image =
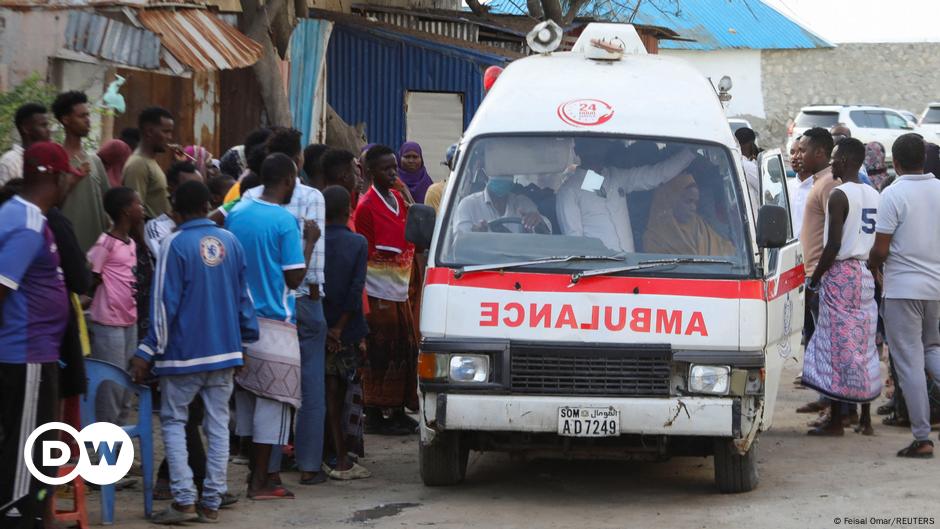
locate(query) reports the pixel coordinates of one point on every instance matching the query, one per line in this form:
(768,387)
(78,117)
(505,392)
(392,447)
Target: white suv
(868,123)
(930,123)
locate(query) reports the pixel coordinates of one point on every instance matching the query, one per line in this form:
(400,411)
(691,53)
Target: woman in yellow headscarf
(675,226)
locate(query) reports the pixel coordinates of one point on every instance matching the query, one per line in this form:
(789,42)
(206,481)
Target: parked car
(868,123)
(930,122)
(908,115)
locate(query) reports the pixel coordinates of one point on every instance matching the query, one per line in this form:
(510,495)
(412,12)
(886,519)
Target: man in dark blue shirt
(345,271)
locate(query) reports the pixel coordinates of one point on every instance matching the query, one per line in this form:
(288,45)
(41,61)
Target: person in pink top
(114,306)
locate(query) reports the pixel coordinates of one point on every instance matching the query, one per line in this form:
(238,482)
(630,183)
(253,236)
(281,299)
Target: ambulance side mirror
(419,229)
(772,226)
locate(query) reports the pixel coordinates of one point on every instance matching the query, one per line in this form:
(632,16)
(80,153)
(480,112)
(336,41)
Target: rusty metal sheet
(112,40)
(200,40)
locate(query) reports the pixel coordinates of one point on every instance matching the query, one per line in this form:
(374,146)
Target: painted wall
(21,53)
(744,68)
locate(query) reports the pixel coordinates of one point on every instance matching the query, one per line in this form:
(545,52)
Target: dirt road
(805,482)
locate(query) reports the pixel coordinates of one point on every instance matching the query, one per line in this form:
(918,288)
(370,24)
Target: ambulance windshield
(521,198)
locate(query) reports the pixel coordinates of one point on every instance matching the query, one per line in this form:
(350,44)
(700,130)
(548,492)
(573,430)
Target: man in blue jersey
(33,313)
(277,264)
(201,314)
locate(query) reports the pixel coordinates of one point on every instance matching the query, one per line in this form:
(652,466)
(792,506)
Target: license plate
(581,421)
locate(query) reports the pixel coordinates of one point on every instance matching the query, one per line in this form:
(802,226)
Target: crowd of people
(269,297)
(873,279)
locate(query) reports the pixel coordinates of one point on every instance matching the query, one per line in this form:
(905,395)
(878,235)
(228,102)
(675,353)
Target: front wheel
(735,472)
(443,461)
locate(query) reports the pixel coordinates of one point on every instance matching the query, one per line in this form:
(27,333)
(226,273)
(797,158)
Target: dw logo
(106,453)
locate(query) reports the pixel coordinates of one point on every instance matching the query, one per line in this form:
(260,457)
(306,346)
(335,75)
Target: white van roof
(646,95)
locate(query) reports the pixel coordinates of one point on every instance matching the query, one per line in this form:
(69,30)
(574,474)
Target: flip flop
(275,493)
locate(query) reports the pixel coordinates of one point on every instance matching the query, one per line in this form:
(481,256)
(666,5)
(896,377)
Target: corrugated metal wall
(370,71)
(307,45)
(455,30)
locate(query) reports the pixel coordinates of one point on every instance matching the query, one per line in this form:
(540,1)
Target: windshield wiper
(643,265)
(545,260)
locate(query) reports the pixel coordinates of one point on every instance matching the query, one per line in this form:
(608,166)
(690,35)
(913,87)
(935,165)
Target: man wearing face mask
(497,201)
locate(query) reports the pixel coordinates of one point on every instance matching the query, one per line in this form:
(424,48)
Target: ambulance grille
(607,372)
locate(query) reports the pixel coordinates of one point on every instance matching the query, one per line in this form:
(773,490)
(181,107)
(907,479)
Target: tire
(735,473)
(443,462)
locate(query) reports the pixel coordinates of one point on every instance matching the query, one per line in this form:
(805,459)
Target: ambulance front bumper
(679,416)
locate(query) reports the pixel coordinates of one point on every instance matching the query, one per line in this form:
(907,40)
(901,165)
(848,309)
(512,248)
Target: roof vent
(609,42)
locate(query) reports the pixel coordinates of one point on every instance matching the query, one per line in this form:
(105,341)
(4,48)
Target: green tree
(32,90)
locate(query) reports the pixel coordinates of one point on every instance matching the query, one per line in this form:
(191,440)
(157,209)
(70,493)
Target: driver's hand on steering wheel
(531,220)
(481,226)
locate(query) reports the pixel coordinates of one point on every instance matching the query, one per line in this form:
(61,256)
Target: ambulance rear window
(522,198)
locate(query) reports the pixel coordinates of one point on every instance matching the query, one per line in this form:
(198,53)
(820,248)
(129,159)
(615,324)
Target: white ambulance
(601,282)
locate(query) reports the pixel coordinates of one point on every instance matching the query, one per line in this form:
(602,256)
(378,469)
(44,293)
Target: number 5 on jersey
(868,220)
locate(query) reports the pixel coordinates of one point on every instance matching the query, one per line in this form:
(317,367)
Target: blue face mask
(499,187)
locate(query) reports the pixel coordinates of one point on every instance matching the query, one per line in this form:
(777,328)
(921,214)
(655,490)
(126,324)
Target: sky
(866,20)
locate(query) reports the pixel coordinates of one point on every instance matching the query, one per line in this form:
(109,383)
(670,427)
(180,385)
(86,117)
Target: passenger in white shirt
(593,200)
(476,211)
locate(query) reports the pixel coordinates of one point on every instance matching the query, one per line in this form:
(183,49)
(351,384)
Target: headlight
(469,368)
(714,380)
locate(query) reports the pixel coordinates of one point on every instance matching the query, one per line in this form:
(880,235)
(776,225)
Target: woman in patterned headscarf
(875,164)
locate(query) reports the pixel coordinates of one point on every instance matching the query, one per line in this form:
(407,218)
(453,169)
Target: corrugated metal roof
(370,70)
(200,40)
(707,24)
(112,40)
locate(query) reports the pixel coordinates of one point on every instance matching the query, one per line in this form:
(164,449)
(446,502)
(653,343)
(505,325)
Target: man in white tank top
(841,361)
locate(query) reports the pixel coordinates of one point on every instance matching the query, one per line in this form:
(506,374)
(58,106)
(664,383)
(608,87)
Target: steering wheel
(499,225)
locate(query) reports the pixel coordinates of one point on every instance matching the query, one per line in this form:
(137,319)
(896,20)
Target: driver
(497,201)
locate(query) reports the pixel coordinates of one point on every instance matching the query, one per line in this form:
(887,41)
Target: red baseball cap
(47,157)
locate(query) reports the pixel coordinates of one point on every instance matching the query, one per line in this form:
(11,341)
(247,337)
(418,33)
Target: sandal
(885,409)
(913,450)
(274,493)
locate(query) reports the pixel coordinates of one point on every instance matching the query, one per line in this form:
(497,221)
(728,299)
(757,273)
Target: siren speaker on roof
(545,37)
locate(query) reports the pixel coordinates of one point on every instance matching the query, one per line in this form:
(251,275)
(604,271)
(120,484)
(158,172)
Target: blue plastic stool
(99,371)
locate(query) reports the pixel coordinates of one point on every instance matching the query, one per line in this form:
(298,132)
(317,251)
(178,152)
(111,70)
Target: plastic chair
(98,372)
(77,514)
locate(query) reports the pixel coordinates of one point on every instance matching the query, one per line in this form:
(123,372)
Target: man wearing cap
(33,315)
